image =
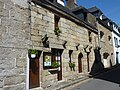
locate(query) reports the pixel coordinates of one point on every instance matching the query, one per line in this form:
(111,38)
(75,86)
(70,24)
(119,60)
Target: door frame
(27,72)
(59,74)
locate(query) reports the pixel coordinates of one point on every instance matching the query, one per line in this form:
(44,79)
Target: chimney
(71,4)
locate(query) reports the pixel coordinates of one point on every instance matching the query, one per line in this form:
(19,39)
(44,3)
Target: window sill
(53,69)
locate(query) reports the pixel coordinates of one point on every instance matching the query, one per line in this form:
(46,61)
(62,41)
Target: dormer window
(101,17)
(85,16)
(113,26)
(51,1)
(61,2)
(108,24)
(119,30)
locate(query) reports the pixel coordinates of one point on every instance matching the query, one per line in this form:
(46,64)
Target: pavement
(62,85)
(109,80)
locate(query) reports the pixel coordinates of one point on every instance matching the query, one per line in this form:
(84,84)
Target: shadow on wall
(97,65)
(111,74)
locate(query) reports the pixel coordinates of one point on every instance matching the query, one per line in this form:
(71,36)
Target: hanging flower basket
(33,53)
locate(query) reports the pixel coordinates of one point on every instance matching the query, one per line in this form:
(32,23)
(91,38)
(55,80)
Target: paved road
(107,81)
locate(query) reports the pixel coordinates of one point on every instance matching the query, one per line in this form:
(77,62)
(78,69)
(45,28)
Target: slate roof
(94,9)
(80,8)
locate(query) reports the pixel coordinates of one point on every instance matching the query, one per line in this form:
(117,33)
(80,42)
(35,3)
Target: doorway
(117,56)
(88,66)
(56,56)
(34,71)
(80,62)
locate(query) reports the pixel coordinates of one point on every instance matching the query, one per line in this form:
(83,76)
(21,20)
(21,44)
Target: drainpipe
(27,69)
(27,72)
(98,34)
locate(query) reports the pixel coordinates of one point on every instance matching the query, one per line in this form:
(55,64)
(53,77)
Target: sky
(110,8)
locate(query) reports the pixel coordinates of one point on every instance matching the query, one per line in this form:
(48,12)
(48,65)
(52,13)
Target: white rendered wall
(115,48)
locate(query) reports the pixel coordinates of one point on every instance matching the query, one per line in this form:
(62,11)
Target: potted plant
(55,64)
(72,65)
(57,31)
(33,53)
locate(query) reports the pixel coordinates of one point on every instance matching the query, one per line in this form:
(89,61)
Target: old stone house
(32,25)
(105,37)
(64,43)
(75,44)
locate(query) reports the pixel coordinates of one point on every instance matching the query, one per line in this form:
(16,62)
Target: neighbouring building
(105,36)
(116,42)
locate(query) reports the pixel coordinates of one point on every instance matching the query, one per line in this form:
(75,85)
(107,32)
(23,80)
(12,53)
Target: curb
(73,83)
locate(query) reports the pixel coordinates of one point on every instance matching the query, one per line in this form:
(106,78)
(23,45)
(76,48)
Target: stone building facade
(106,46)
(55,32)
(77,46)
(104,26)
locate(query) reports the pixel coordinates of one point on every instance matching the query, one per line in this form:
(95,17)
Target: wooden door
(34,73)
(88,62)
(80,62)
(80,65)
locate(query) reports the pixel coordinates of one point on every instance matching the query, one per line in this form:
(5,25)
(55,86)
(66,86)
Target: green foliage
(32,51)
(57,31)
(55,64)
(71,65)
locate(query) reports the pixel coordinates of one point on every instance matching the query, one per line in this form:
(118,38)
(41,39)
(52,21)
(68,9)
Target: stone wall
(106,46)
(42,22)
(14,41)
(22,27)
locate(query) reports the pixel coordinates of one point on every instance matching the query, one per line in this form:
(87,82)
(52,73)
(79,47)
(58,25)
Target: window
(70,54)
(52,58)
(56,19)
(47,57)
(116,41)
(51,0)
(101,34)
(109,38)
(90,37)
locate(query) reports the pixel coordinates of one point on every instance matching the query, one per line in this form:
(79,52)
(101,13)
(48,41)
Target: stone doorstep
(39,88)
